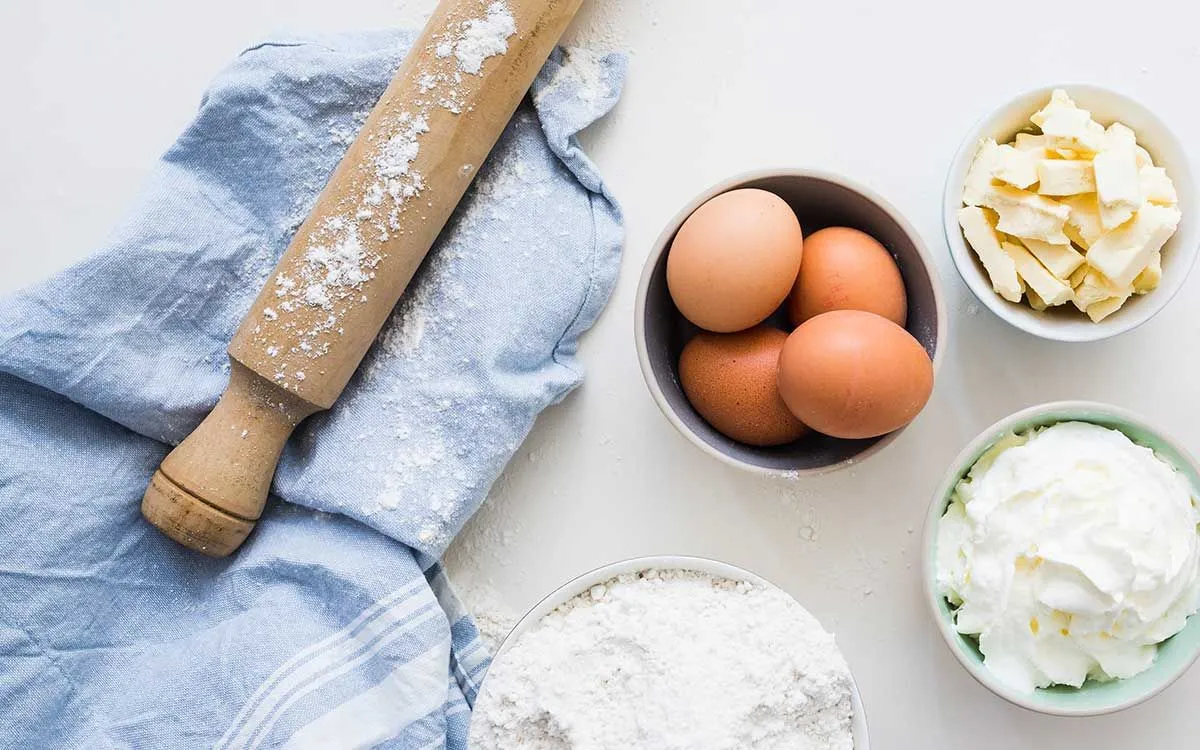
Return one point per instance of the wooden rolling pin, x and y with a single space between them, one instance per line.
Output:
350 261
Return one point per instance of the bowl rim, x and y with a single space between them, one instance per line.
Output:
715 568
660 246
941 499
1043 326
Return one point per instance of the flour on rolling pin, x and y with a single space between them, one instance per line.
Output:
337 261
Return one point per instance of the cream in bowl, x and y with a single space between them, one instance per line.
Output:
670 656
1065 555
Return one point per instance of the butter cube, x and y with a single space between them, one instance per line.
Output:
1015 167
1068 127
1102 309
1076 238
979 176
1027 215
1033 143
1157 186
1085 218
1123 253
1094 288
1060 260
1117 183
1035 300
1150 277
1079 276
1120 135
1065 177
1050 289
983 240
1113 216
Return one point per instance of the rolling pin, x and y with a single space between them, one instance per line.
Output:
350 261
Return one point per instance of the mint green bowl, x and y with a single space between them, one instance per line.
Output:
1175 654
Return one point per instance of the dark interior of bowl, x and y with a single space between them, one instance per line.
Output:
818 203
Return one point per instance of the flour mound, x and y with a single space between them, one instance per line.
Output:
670 660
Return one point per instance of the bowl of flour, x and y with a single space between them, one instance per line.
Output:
671 653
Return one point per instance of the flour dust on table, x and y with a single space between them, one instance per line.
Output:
669 659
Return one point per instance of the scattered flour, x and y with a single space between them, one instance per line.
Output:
601 24
432 310
669 659
481 38
480 555
494 619
341 253
582 72
797 506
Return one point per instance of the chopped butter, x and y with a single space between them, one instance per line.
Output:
1084 217
1015 167
1150 277
1035 300
1027 215
999 266
1074 213
1094 288
1049 288
1079 276
1117 184
1114 216
1065 177
1100 310
1157 186
1060 260
979 176
1033 143
1069 128
1119 134
1123 253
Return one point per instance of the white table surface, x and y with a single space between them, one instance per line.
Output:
882 92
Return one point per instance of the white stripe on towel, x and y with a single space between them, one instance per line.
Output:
410 692
259 734
304 659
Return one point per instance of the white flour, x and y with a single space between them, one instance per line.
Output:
339 259
669 660
481 38
582 73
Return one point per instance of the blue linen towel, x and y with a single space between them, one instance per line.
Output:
333 626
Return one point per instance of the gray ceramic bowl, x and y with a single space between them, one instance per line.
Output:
1175 655
819 200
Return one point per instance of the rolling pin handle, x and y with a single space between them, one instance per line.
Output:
210 491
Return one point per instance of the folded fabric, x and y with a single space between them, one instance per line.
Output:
333 626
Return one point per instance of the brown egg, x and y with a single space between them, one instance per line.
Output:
845 269
854 374
734 260
730 379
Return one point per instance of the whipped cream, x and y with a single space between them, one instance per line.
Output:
1070 552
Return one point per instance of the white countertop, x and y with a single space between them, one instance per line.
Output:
882 92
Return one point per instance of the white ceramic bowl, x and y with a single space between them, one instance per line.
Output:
573 588
1179 254
1175 655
